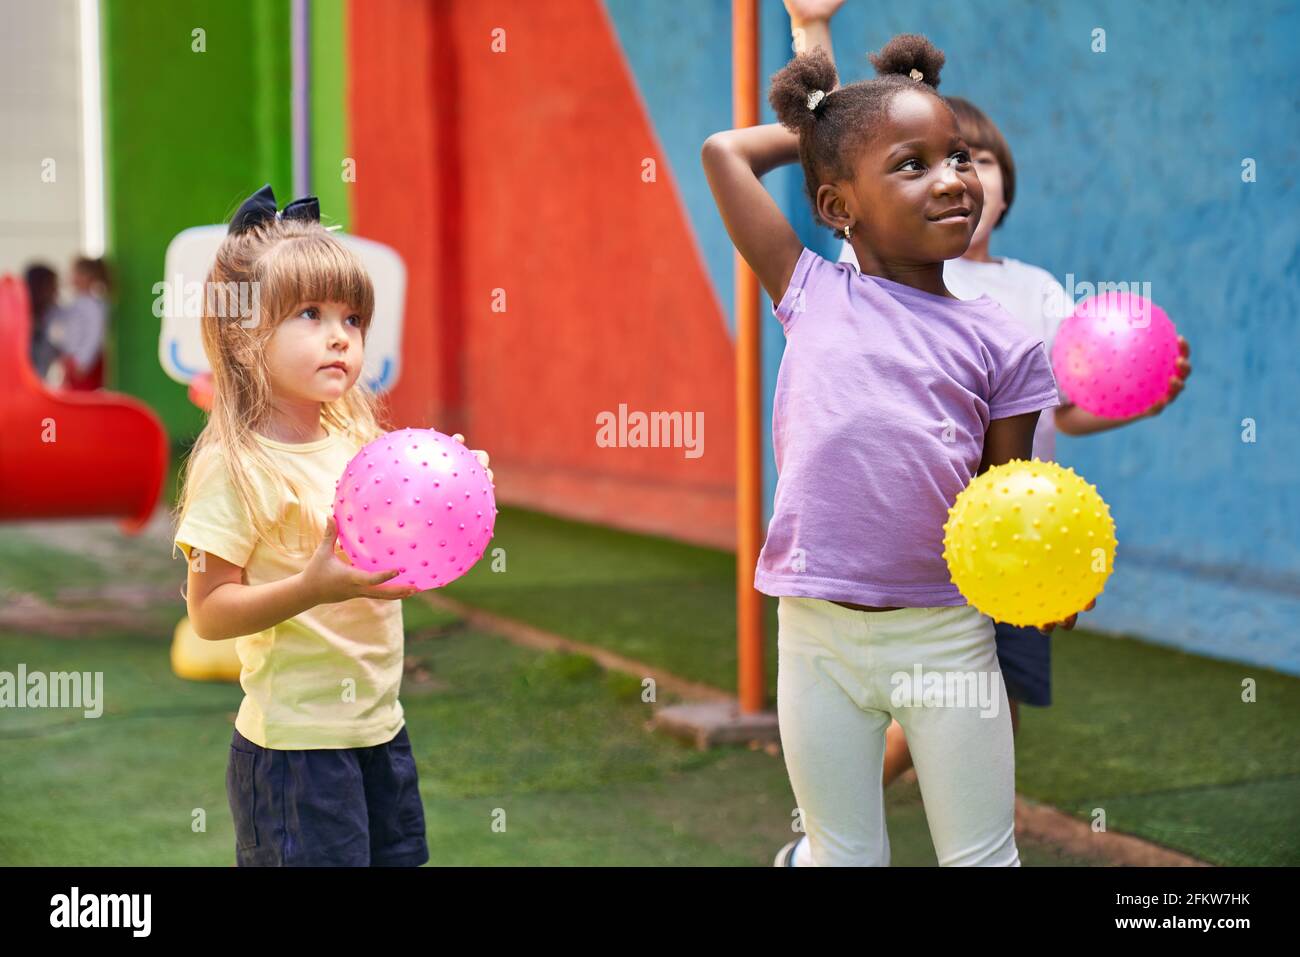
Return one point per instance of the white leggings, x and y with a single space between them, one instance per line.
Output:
842 674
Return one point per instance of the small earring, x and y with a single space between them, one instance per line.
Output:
846 233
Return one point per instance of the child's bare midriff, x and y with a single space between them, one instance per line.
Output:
848 604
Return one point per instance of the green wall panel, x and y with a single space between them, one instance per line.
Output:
187 136
329 113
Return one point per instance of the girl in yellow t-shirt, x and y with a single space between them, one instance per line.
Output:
320 769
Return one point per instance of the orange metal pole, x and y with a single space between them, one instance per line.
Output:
749 509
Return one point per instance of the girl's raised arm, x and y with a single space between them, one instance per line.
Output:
734 161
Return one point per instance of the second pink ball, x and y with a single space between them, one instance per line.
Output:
1115 355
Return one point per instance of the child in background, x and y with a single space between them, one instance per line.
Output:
892 395
43 295
320 767
79 328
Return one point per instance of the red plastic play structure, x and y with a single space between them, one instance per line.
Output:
70 454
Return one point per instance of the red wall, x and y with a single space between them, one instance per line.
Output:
521 171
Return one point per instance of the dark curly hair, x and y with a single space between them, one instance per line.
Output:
834 125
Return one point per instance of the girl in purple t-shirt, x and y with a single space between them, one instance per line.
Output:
892 395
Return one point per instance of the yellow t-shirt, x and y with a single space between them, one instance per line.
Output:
329 677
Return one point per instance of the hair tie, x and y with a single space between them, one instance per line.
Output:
814 98
916 75
260 207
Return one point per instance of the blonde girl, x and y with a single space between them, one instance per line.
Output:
320 767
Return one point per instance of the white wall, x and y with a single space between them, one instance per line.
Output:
40 93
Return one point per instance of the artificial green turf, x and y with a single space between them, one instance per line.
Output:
651 599
524 757
1246 824
39 569
1158 739
1129 719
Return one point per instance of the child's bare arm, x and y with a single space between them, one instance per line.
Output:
733 162
1072 420
1007 439
220 606
810 24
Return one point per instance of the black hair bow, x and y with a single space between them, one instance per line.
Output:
260 207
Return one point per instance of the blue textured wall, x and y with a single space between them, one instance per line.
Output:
1129 169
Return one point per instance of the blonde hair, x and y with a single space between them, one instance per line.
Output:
291 262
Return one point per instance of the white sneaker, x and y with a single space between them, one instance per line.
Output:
785 856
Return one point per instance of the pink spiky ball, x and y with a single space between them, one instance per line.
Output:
1115 355
418 501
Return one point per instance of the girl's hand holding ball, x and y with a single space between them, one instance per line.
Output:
1030 543
332 574
483 457
1177 380
329 579
1119 356
1068 624
417 500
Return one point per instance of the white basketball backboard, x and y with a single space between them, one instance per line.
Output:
189 257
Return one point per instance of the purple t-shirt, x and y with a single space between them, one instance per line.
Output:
878 422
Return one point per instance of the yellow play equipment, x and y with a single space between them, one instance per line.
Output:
198 660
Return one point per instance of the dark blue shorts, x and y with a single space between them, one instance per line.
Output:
350 807
1025 655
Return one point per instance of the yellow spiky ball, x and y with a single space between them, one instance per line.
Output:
1029 542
